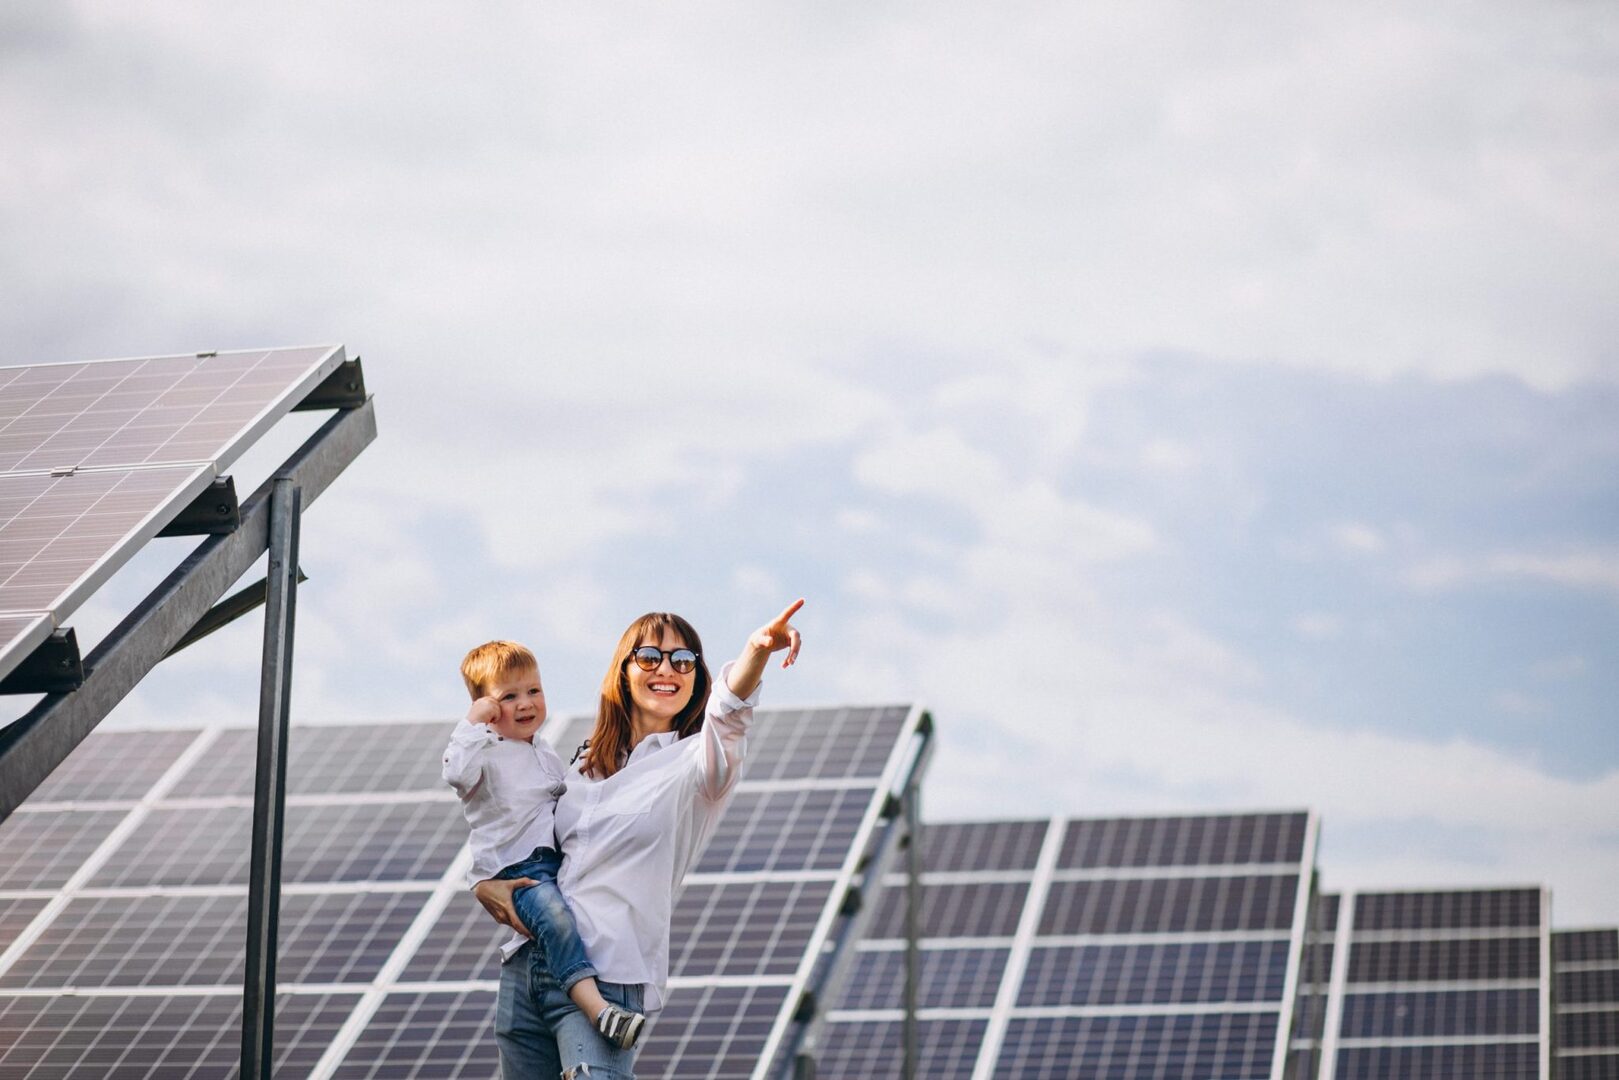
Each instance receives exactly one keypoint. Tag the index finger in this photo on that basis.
(791, 610)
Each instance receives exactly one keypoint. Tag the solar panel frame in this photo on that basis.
(20, 634)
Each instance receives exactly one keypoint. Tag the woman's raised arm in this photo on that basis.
(772, 637)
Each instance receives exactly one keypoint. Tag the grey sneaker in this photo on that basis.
(619, 1027)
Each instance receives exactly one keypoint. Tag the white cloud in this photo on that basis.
(1358, 538)
(1517, 703)
(1560, 668)
(1318, 626)
(939, 463)
(1593, 570)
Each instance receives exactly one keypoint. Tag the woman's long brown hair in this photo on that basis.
(608, 747)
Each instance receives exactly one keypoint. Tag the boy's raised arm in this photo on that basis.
(463, 758)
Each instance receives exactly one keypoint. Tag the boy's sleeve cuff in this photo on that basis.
(466, 734)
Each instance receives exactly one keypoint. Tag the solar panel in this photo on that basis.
(1138, 1047)
(444, 1035)
(1587, 995)
(751, 928)
(947, 1049)
(115, 765)
(57, 531)
(177, 940)
(187, 845)
(330, 759)
(1439, 983)
(1120, 947)
(121, 936)
(153, 410)
(43, 850)
(139, 1037)
(95, 458)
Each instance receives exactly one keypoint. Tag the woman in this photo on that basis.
(651, 783)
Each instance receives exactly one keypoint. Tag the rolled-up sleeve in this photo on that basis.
(463, 758)
(724, 738)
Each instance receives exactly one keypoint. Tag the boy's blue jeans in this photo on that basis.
(557, 947)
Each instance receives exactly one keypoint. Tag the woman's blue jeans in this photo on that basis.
(543, 1035)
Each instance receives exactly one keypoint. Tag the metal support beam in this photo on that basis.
(228, 610)
(38, 742)
(859, 907)
(270, 784)
(913, 926)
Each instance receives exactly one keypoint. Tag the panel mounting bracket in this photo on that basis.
(214, 512)
(344, 388)
(54, 667)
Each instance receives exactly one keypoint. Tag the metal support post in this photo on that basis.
(270, 784)
(913, 923)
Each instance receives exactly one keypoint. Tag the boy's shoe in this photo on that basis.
(619, 1027)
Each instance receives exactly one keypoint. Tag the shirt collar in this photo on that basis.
(653, 743)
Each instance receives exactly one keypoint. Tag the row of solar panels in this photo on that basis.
(1138, 947)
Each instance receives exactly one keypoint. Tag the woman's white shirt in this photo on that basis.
(629, 839)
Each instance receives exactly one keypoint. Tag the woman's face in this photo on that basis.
(658, 696)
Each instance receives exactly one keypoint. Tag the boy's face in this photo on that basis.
(522, 704)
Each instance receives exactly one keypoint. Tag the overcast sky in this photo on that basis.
(1195, 407)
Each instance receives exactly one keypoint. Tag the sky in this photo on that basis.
(1193, 408)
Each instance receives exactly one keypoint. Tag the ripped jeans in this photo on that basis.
(541, 1033)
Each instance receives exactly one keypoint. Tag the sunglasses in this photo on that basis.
(648, 657)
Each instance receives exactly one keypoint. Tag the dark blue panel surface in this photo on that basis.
(1228, 1046)
(1205, 840)
(1196, 972)
(1157, 905)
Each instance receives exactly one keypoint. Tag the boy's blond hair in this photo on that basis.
(495, 660)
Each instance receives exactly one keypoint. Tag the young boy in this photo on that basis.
(509, 782)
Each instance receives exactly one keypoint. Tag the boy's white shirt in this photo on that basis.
(507, 794)
(629, 840)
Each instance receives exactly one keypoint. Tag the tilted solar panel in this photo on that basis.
(1122, 947)
(96, 458)
(1449, 984)
(122, 883)
(1587, 995)
(151, 411)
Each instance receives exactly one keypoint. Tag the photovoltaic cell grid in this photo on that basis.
(1128, 948)
(1586, 964)
(96, 458)
(150, 933)
(1443, 984)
